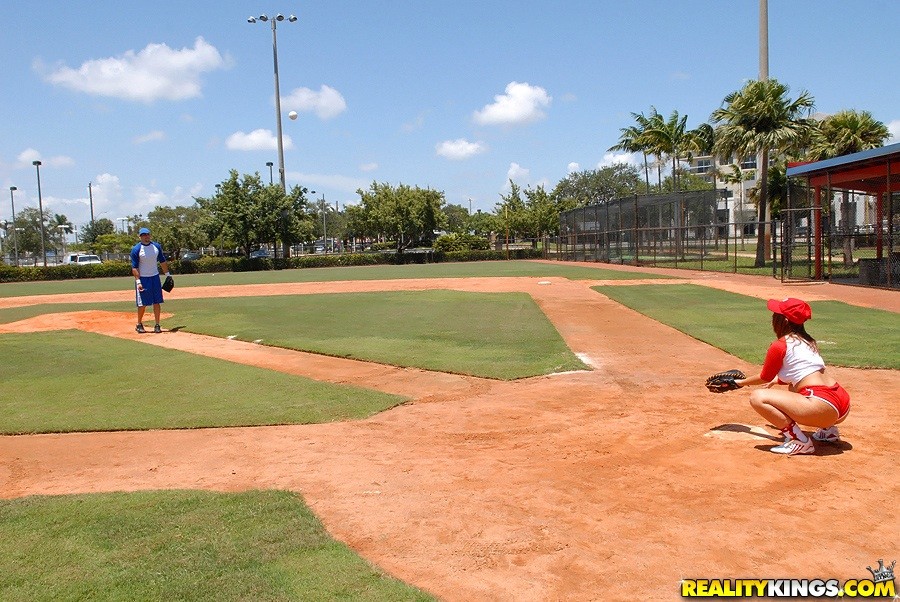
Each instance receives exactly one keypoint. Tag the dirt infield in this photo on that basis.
(612, 484)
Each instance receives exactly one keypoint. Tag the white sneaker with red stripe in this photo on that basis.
(794, 447)
(829, 435)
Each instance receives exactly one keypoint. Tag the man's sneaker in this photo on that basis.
(157, 329)
(139, 329)
(794, 447)
(829, 435)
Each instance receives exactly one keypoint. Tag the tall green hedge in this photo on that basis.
(66, 271)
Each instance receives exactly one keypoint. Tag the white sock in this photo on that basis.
(801, 436)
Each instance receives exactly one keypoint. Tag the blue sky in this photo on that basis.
(154, 102)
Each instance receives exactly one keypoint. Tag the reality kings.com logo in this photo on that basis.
(881, 585)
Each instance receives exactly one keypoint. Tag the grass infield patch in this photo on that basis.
(75, 381)
(847, 335)
(180, 545)
(492, 335)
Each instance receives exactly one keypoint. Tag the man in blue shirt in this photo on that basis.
(148, 291)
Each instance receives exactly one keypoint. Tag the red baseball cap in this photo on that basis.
(795, 310)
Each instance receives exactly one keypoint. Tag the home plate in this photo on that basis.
(743, 432)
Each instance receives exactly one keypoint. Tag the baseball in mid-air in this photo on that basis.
(293, 114)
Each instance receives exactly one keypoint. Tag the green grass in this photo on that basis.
(475, 269)
(740, 325)
(493, 335)
(75, 381)
(180, 545)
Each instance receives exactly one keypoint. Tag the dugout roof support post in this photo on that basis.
(874, 172)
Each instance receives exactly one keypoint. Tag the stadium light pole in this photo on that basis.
(12, 204)
(274, 20)
(269, 164)
(37, 166)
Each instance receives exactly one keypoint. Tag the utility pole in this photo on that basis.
(91, 199)
(763, 40)
(764, 156)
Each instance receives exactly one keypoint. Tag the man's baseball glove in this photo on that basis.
(168, 284)
(724, 381)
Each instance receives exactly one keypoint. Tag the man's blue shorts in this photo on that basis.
(152, 293)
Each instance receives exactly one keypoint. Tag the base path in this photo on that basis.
(609, 484)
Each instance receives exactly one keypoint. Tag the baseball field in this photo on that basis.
(500, 431)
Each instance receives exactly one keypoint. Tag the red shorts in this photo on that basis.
(834, 396)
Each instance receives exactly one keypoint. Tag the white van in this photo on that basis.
(79, 259)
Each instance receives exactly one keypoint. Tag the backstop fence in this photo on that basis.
(841, 242)
(692, 230)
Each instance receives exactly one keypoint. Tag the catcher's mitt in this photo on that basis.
(724, 381)
(168, 284)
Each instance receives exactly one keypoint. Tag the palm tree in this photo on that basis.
(844, 133)
(653, 122)
(630, 142)
(760, 118)
(670, 137)
(633, 139)
(58, 226)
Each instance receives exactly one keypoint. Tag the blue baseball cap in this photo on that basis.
(144, 231)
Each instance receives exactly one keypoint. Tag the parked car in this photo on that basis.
(191, 256)
(259, 254)
(79, 259)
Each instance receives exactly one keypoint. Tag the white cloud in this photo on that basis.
(573, 167)
(154, 73)
(326, 103)
(517, 174)
(260, 139)
(145, 200)
(106, 195)
(27, 157)
(150, 137)
(368, 166)
(610, 159)
(522, 103)
(894, 129)
(458, 149)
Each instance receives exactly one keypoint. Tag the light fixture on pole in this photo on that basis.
(12, 203)
(274, 20)
(37, 166)
(269, 164)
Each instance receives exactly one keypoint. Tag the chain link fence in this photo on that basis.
(691, 230)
